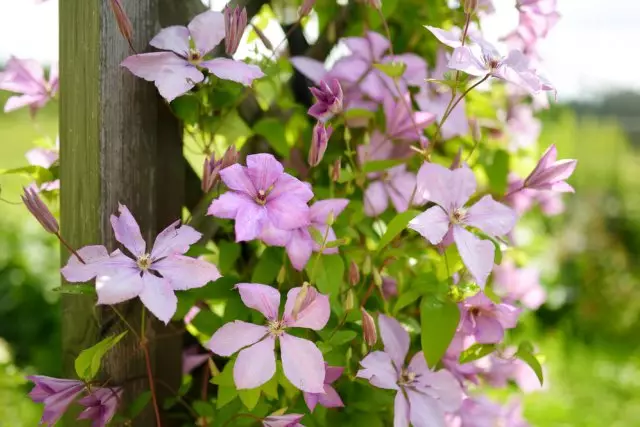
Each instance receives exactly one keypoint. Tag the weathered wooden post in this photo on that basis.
(119, 143)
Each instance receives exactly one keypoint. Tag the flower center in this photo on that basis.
(194, 57)
(492, 62)
(276, 328)
(406, 377)
(144, 262)
(261, 197)
(457, 216)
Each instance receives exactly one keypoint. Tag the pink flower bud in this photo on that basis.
(354, 274)
(470, 6)
(319, 142)
(122, 20)
(306, 7)
(335, 170)
(212, 168)
(329, 99)
(235, 22)
(40, 211)
(306, 296)
(551, 174)
(369, 328)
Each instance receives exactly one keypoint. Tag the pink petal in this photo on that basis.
(319, 211)
(255, 365)
(476, 254)
(449, 38)
(174, 38)
(127, 231)
(207, 30)
(185, 272)
(446, 388)
(465, 59)
(236, 71)
(302, 363)
(379, 370)
(299, 248)
(149, 65)
(175, 239)
(123, 285)
(17, 102)
(432, 224)
(263, 170)
(274, 236)
(416, 72)
(288, 212)
(488, 330)
(418, 364)
(287, 185)
(312, 69)
(159, 297)
(447, 188)
(314, 316)
(42, 157)
(178, 80)
(400, 410)
(395, 339)
(325, 230)
(375, 199)
(378, 45)
(93, 256)
(332, 373)
(373, 85)
(236, 177)
(330, 398)
(492, 217)
(424, 410)
(263, 298)
(400, 187)
(229, 204)
(249, 221)
(235, 335)
(350, 69)
(311, 399)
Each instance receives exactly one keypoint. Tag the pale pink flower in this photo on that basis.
(519, 284)
(100, 405)
(551, 174)
(26, 77)
(485, 320)
(302, 362)
(404, 125)
(330, 397)
(192, 358)
(482, 412)
(522, 126)
(329, 99)
(153, 276)
(56, 394)
(288, 420)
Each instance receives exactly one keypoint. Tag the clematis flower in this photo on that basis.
(536, 19)
(192, 358)
(329, 99)
(522, 199)
(522, 126)
(26, 77)
(389, 287)
(288, 420)
(330, 397)
(319, 142)
(499, 369)
(153, 276)
(45, 158)
(302, 362)
(450, 190)
(101, 405)
(405, 125)
(179, 67)
(482, 59)
(485, 320)
(261, 194)
(550, 174)
(423, 396)
(56, 394)
(519, 284)
(482, 412)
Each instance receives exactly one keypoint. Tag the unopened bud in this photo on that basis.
(354, 274)
(306, 7)
(331, 218)
(209, 174)
(265, 41)
(305, 297)
(235, 21)
(229, 158)
(350, 301)
(40, 211)
(366, 267)
(455, 164)
(369, 328)
(122, 20)
(335, 170)
(319, 142)
(476, 131)
(470, 6)
(377, 279)
(282, 275)
(389, 287)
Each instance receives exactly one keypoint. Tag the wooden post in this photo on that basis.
(119, 143)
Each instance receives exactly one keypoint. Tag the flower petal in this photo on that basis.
(263, 298)
(263, 170)
(174, 38)
(314, 315)
(127, 231)
(492, 217)
(207, 30)
(250, 221)
(476, 254)
(236, 71)
(379, 370)
(319, 211)
(302, 363)
(400, 410)
(94, 258)
(395, 339)
(288, 213)
(330, 398)
(312, 69)
(449, 38)
(311, 399)
(235, 335)
(299, 248)
(229, 204)
(287, 185)
(332, 373)
(432, 224)
(424, 410)
(185, 272)
(124, 285)
(177, 80)
(466, 60)
(175, 239)
(375, 199)
(255, 365)
(447, 188)
(236, 177)
(488, 330)
(159, 297)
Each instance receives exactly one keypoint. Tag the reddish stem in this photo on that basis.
(145, 348)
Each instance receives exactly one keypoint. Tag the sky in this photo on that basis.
(592, 49)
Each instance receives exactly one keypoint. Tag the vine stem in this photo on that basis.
(145, 348)
(69, 248)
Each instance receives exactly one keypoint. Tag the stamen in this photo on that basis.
(144, 262)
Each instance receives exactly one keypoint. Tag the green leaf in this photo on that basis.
(498, 171)
(328, 275)
(250, 397)
(270, 388)
(406, 298)
(225, 395)
(476, 352)
(229, 254)
(268, 266)
(317, 236)
(342, 337)
(273, 131)
(525, 353)
(225, 378)
(204, 409)
(87, 363)
(396, 226)
(79, 289)
(346, 175)
(438, 323)
(324, 347)
(380, 165)
(139, 404)
(394, 69)
(358, 113)
(186, 108)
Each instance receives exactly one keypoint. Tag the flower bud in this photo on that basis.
(366, 267)
(319, 142)
(455, 164)
(306, 7)
(329, 100)
(305, 297)
(229, 158)
(350, 301)
(40, 211)
(122, 20)
(335, 170)
(470, 6)
(354, 274)
(377, 279)
(369, 328)
(235, 22)
(389, 287)
(265, 41)
(376, 4)
(210, 171)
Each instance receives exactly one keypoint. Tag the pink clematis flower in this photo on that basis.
(423, 396)
(153, 276)
(499, 369)
(302, 362)
(482, 412)
(485, 320)
(56, 394)
(405, 125)
(262, 194)
(288, 420)
(45, 158)
(192, 358)
(330, 398)
(464, 373)
(522, 199)
(26, 77)
(536, 19)
(522, 126)
(179, 67)
(482, 59)
(550, 174)
(329, 98)
(519, 284)
(100, 405)
(450, 190)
